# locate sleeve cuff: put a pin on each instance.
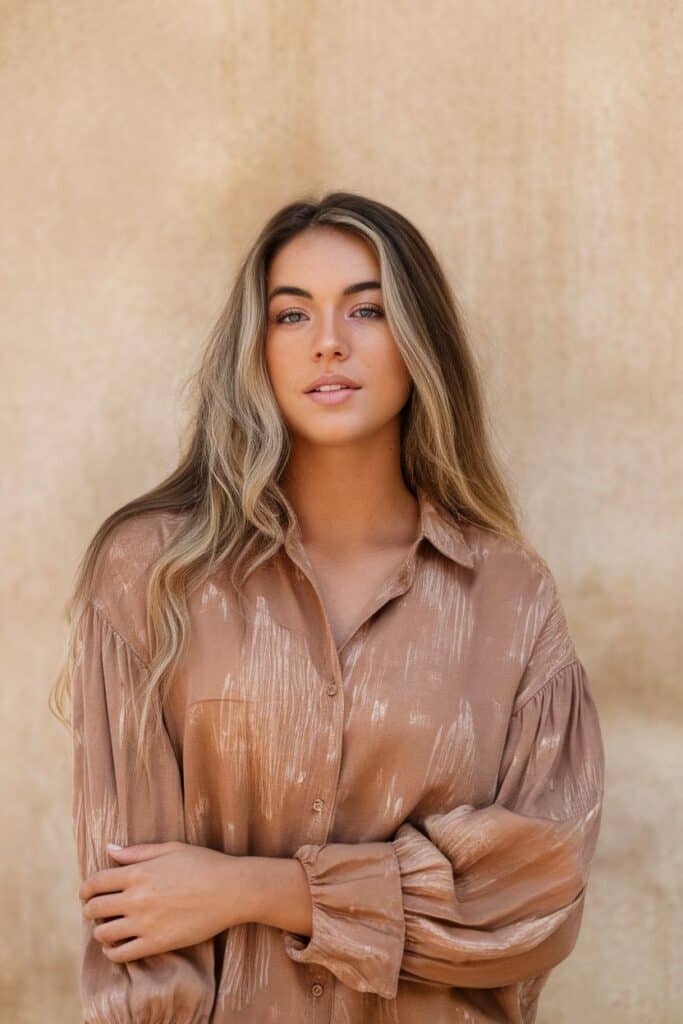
(358, 927)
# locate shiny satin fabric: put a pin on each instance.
(439, 776)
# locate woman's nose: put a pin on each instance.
(330, 339)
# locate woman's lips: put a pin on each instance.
(331, 397)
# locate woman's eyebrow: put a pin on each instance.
(290, 289)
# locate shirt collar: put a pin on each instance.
(442, 530)
(435, 523)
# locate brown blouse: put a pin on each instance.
(439, 776)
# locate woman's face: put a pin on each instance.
(316, 330)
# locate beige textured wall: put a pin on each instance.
(539, 145)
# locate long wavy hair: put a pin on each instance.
(226, 482)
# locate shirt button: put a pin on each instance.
(318, 804)
(317, 989)
(332, 689)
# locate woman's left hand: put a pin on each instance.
(163, 896)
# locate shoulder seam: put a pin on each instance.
(105, 618)
(544, 685)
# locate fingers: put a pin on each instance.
(132, 950)
(140, 851)
(107, 880)
(114, 879)
(114, 931)
(110, 905)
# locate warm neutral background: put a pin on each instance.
(539, 146)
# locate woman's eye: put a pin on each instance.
(370, 309)
(282, 318)
(376, 312)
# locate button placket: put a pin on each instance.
(324, 810)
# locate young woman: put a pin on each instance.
(325, 697)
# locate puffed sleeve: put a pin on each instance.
(495, 895)
(112, 804)
(476, 897)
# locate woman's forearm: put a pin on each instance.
(276, 893)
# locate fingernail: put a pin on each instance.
(114, 846)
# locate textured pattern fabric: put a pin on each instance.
(439, 776)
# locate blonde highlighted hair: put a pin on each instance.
(226, 482)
